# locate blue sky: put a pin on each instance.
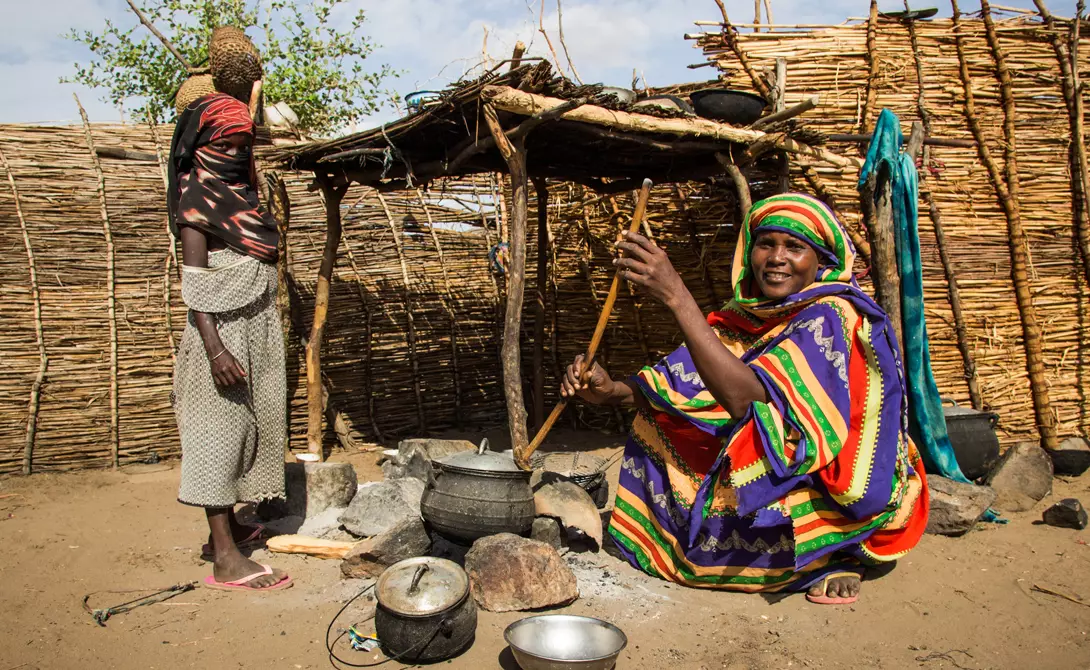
(431, 41)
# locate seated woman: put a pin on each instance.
(769, 451)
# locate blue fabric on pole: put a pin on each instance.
(927, 423)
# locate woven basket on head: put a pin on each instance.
(191, 89)
(234, 61)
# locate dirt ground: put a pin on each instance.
(952, 603)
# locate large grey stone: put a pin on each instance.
(509, 573)
(415, 456)
(379, 506)
(312, 488)
(434, 449)
(1072, 458)
(1022, 478)
(956, 507)
(406, 539)
(547, 530)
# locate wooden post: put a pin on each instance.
(448, 304)
(876, 201)
(315, 400)
(35, 295)
(731, 39)
(1006, 190)
(368, 347)
(783, 180)
(542, 189)
(515, 156)
(172, 251)
(872, 69)
(698, 250)
(111, 286)
(410, 319)
(862, 246)
(953, 290)
(1067, 58)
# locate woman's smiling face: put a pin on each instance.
(782, 264)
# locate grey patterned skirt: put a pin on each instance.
(232, 439)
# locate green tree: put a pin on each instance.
(313, 56)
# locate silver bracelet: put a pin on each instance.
(222, 352)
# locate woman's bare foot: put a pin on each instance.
(842, 586)
(228, 563)
(232, 566)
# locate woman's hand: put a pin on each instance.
(596, 389)
(226, 371)
(643, 263)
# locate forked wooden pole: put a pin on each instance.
(523, 457)
(316, 397)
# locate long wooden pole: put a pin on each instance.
(111, 286)
(522, 457)
(1006, 193)
(315, 396)
(410, 318)
(36, 297)
(449, 305)
(542, 191)
(1067, 58)
(953, 289)
(514, 154)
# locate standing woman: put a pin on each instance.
(229, 385)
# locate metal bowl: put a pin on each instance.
(565, 642)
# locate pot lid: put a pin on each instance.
(481, 460)
(421, 586)
(955, 410)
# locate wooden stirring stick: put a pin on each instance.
(523, 459)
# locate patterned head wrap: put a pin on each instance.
(808, 219)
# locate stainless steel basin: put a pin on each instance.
(565, 642)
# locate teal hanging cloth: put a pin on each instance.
(926, 421)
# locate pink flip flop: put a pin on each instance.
(253, 541)
(833, 600)
(242, 584)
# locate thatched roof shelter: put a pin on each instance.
(573, 133)
(538, 126)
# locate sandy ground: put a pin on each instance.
(952, 603)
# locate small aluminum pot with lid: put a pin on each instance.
(424, 611)
(478, 493)
(973, 438)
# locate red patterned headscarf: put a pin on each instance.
(214, 190)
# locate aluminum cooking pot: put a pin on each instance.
(424, 611)
(972, 435)
(478, 493)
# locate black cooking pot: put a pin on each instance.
(424, 611)
(736, 107)
(479, 493)
(972, 435)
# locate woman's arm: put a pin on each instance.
(730, 381)
(226, 371)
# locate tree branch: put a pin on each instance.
(155, 31)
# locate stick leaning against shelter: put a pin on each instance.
(523, 458)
